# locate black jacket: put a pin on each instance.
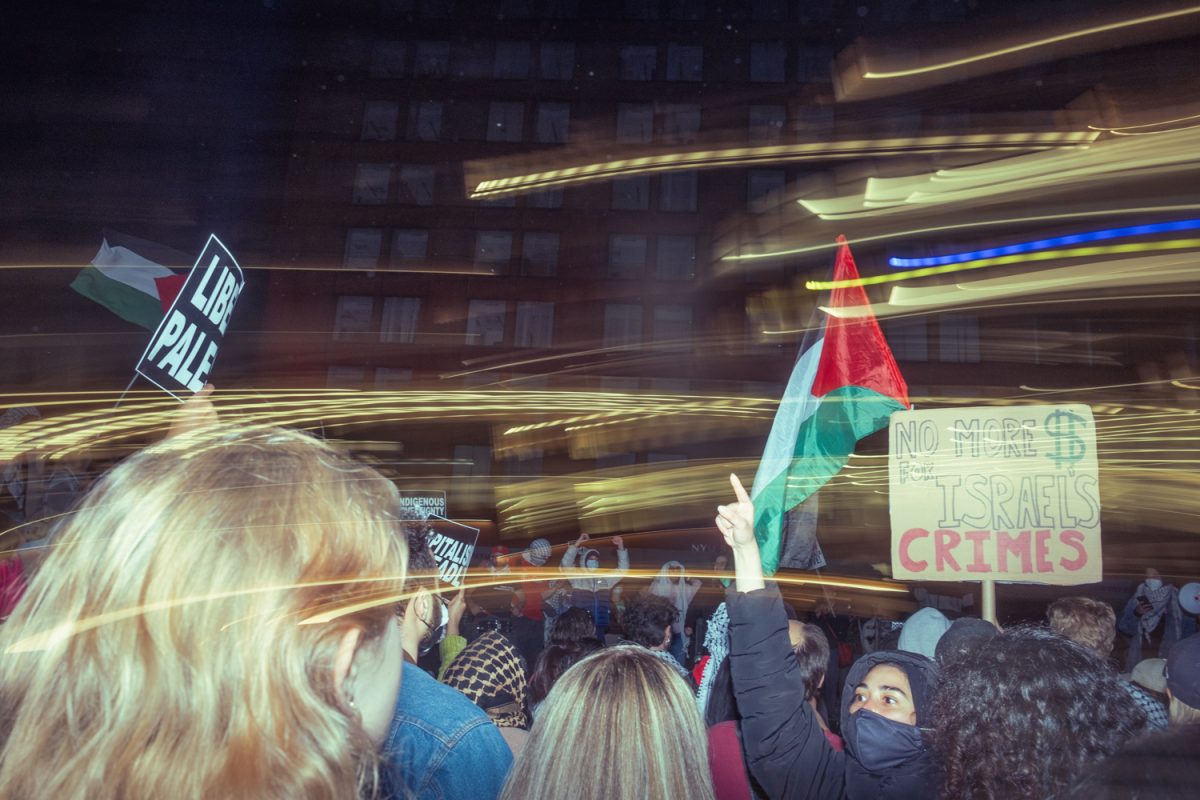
(784, 744)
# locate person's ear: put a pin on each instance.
(422, 605)
(821, 682)
(343, 663)
(667, 636)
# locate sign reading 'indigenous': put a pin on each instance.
(1006, 494)
(182, 351)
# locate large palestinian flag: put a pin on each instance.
(134, 288)
(845, 386)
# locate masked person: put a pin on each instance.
(884, 704)
(672, 584)
(1153, 604)
(592, 591)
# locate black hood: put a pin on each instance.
(922, 678)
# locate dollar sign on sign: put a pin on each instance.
(1068, 445)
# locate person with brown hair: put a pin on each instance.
(641, 736)
(215, 620)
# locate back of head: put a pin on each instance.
(646, 618)
(1088, 622)
(180, 639)
(1164, 765)
(491, 672)
(1183, 680)
(963, 636)
(551, 664)
(571, 626)
(811, 648)
(1024, 714)
(618, 724)
(922, 631)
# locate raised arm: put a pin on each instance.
(784, 744)
(622, 561)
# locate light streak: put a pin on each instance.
(783, 153)
(1033, 44)
(1044, 255)
(1043, 244)
(1158, 124)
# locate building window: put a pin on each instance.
(353, 317)
(425, 120)
(907, 338)
(622, 324)
(387, 60)
(635, 123)
(672, 325)
(392, 378)
(409, 245)
(814, 64)
(681, 123)
(471, 60)
(493, 249)
(345, 377)
(685, 62)
(638, 62)
(676, 258)
(631, 194)
(485, 322)
(399, 319)
(557, 61)
(432, 60)
(363, 246)
(958, 338)
(371, 183)
(535, 324)
(550, 198)
(505, 122)
(416, 184)
(539, 254)
(766, 124)
(379, 121)
(677, 191)
(764, 189)
(626, 255)
(551, 122)
(512, 61)
(767, 61)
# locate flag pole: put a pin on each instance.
(132, 381)
(989, 601)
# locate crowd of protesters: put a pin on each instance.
(252, 614)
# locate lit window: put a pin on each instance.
(371, 183)
(535, 324)
(353, 317)
(362, 248)
(551, 123)
(622, 325)
(493, 249)
(399, 319)
(485, 322)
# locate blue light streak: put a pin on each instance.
(1043, 244)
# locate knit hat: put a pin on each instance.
(962, 636)
(491, 674)
(1183, 671)
(1149, 674)
(538, 552)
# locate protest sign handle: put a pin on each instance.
(989, 601)
(127, 388)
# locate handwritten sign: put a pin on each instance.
(1008, 494)
(182, 351)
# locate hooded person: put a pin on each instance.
(672, 583)
(884, 705)
(591, 589)
(491, 673)
(1152, 605)
(922, 631)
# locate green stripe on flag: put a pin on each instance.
(824, 443)
(127, 303)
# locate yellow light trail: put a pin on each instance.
(1158, 124)
(806, 151)
(1034, 44)
(1041, 255)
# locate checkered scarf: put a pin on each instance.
(489, 671)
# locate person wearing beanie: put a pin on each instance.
(963, 636)
(922, 631)
(1183, 681)
(529, 602)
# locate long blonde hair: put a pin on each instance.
(620, 724)
(159, 651)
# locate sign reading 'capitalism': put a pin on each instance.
(1008, 494)
(182, 351)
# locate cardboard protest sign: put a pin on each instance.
(182, 351)
(453, 544)
(1005, 494)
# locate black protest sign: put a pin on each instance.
(424, 503)
(181, 353)
(452, 544)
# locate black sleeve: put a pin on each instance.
(785, 747)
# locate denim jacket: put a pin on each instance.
(441, 745)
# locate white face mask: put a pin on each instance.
(592, 563)
(1153, 584)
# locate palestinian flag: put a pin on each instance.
(844, 386)
(134, 288)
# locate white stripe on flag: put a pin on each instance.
(125, 266)
(797, 405)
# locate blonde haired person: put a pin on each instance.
(618, 725)
(216, 620)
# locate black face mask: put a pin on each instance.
(881, 743)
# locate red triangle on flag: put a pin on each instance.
(168, 289)
(854, 352)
